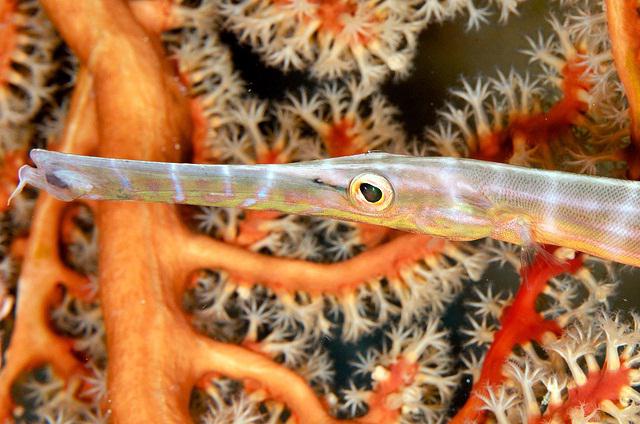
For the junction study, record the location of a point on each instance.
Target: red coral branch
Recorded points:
(601, 386)
(538, 129)
(520, 323)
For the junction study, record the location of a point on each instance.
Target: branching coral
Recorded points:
(33, 342)
(568, 117)
(588, 376)
(334, 37)
(27, 43)
(521, 324)
(219, 315)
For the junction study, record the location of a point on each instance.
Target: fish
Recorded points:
(455, 198)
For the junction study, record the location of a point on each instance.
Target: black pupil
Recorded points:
(370, 192)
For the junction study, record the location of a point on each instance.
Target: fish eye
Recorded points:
(371, 192)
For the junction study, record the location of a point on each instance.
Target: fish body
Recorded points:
(459, 199)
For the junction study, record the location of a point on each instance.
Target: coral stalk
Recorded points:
(7, 38)
(33, 342)
(624, 32)
(282, 274)
(520, 323)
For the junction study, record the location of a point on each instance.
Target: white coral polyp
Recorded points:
(330, 37)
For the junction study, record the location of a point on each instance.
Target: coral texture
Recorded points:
(133, 312)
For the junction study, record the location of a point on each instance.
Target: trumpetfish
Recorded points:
(459, 199)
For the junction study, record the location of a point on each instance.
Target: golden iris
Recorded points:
(370, 192)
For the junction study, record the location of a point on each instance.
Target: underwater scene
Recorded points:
(140, 312)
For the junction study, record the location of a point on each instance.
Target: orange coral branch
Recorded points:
(7, 37)
(155, 345)
(291, 274)
(136, 79)
(150, 372)
(281, 383)
(155, 342)
(624, 32)
(143, 116)
(33, 342)
(152, 343)
(154, 15)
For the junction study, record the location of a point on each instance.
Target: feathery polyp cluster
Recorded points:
(52, 400)
(425, 285)
(288, 329)
(541, 310)
(225, 402)
(27, 41)
(561, 299)
(348, 118)
(412, 378)
(330, 37)
(205, 69)
(588, 376)
(345, 118)
(548, 121)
